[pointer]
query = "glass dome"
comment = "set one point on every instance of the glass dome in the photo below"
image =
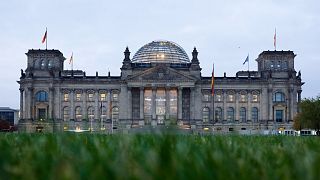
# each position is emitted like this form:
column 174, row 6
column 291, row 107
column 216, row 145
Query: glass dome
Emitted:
column 161, row 52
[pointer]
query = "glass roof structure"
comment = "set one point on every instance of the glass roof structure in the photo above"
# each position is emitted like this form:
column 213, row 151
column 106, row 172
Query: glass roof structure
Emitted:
column 161, row 52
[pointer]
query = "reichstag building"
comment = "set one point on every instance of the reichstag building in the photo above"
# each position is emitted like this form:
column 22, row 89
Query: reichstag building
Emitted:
column 158, row 87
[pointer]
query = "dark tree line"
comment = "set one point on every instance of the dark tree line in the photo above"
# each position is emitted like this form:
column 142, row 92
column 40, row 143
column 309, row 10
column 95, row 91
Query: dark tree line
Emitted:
column 309, row 117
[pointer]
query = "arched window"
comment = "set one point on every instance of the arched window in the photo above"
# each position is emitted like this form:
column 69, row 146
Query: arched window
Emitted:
column 230, row 114
column 279, row 97
column 243, row 114
column 103, row 112
column 78, row 113
column 43, row 64
column 254, row 114
column 205, row 114
column 42, row 96
column 66, row 113
column 90, row 113
column 115, row 114
column 218, row 114
column 50, row 65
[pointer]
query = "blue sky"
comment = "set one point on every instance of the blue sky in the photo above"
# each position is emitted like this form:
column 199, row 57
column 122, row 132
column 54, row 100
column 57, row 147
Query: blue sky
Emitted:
column 97, row 33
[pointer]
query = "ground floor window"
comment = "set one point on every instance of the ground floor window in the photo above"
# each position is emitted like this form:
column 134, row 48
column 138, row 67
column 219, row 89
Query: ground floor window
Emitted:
column 243, row 117
column 205, row 114
column 279, row 115
column 115, row 114
column 66, row 113
column 41, row 113
column 230, row 114
column 218, row 114
column 78, row 113
column 254, row 115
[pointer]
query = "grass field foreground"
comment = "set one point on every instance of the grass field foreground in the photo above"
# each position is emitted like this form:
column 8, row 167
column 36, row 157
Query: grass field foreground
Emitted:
column 92, row 156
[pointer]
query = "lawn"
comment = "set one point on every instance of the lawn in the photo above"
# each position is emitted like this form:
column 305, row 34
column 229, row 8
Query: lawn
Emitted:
column 93, row 156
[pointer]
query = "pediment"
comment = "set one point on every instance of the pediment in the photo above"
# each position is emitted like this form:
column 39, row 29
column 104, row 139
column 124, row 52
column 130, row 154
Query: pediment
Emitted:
column 161, row 73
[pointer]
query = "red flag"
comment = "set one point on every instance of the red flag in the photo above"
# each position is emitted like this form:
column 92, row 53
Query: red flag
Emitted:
column 44, row 37
column 212, row 81
column 275, row 39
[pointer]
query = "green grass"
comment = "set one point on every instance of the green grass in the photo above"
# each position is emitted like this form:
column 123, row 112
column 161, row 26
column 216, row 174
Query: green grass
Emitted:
column 86, row 156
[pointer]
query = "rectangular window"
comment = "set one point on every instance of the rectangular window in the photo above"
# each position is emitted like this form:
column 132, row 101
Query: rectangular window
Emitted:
column 78, row 97
column 115, row 96
column 279, row 115
column 65, row 97
column 103, row 97
column 206, row 97
column 147, row 101
column 243, row 98
column 218, row 97
column 255, row 98
column 230, row 98
column 90, row 97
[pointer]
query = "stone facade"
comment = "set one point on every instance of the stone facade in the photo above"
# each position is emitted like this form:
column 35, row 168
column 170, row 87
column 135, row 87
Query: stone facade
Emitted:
column 156, row 94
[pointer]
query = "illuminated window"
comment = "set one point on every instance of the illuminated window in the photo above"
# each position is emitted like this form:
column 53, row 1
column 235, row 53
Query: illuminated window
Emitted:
column 230, row 114
column 90, row 97
column 78, row 97
column 205, row 114
column 50, row 64
column 243, row 98
column 218, row 97
column 173, row 102
column 115, row 114
column 206, row 97
column 230, row 97
column 218, row 114
column 103, row 97
column 66, row 113
column 147, row 101
column 255, row 97
column 115, row 96
column 66, row 97
column 91, row 113
column 78, row 113
column 43, row 64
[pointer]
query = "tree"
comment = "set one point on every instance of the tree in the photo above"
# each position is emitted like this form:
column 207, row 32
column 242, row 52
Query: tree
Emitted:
column 310, row 115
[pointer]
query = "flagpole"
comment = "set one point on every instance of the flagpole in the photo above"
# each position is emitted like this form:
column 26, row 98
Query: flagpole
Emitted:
column 248, row 63
column 46, row 39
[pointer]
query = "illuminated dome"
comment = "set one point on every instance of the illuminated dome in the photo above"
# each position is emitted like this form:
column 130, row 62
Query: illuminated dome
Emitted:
column 161, row 52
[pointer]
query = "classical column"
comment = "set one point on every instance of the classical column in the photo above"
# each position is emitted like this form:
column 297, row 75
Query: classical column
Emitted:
column 154, row 90
column 71, row 99
column 224, row 110
column 192, row 104
column 84, row 103
column 96, row 104
column 51, row 95
column 29, row 103
column 21, row 103
column 129, row 115
column 270, row 104
column 249, row 106
column 141, row 103
column 109, row 105
column 236, row 111
column 179, row 103
column 167, row 103
column 299, row 100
